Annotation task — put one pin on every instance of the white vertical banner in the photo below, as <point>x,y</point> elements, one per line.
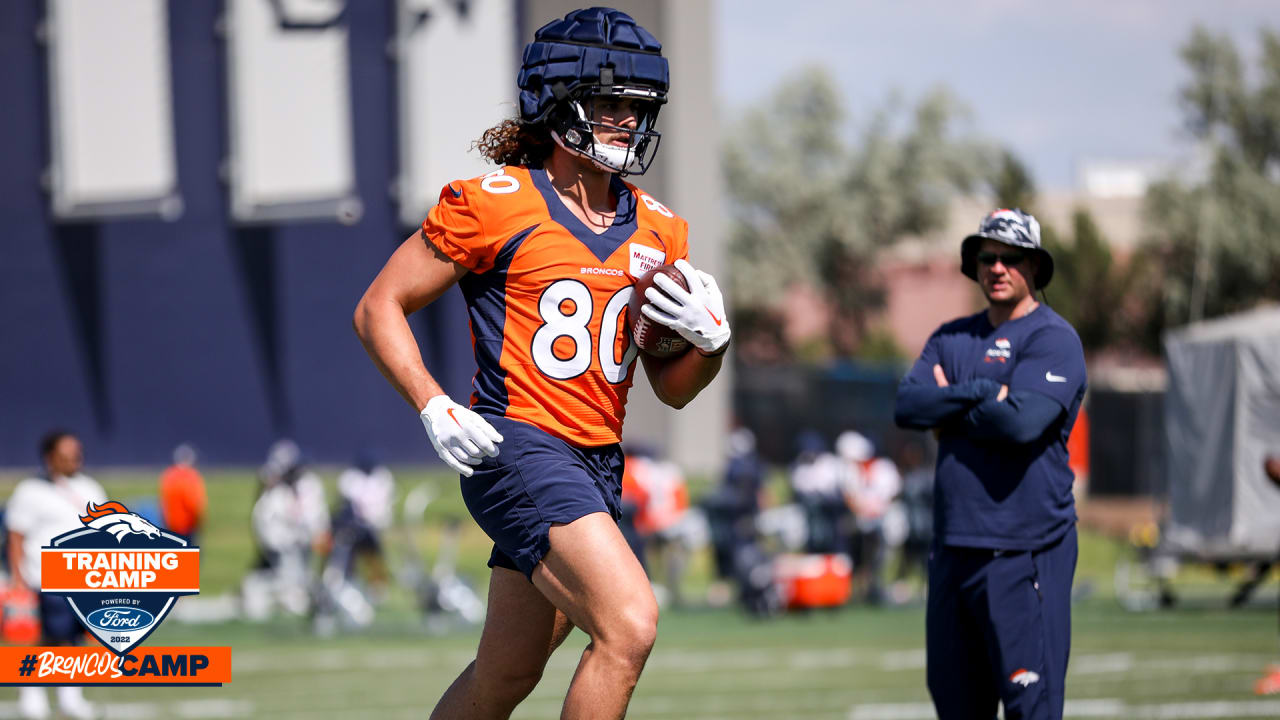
<point>110,109</point>
<point>699,433</point>
<point>457,78</point>
<point>290,127</point>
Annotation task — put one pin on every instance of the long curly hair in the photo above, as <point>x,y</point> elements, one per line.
<point>512,142</point>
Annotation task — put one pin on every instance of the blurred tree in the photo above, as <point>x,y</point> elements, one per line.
<point>811,209</point>
<point>1012,183</point>
<point>1213,246</point>
<point>1088,287</point>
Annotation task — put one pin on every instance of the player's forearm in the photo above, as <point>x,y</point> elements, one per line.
<point>15,558</point>
<point>384,331</point>
<point>679,380</point>
<point>924,407</point>
<point>1020,418</point>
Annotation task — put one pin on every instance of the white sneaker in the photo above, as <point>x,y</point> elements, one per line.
<point>71,703</point>
<point>33,703</point>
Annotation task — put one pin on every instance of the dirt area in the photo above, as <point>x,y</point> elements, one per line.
<point>1116,516</point>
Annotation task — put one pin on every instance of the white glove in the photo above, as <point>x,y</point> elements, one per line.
<point>697,313</point>
<point>461,438</point>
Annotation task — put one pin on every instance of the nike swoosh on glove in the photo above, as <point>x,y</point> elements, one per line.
<point>697,313</point>
<point>461,437</point>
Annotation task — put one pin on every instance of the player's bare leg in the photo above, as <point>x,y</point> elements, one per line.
<point>592,576</point>
<point>521,629</point>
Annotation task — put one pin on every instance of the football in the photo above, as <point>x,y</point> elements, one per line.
<point>654,338</point>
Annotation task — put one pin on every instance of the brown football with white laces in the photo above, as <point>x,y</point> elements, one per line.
<point>654,338</point>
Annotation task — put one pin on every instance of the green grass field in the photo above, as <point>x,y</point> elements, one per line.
<point>856,663</point>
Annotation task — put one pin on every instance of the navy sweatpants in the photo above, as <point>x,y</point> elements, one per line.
<point>999,629</point>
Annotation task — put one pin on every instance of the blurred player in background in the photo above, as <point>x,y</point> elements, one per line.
<point>732,509</point>
<point>290,522</point>
<point>1003,387</point>
<point>917,503</point>
<point>1269,683</point>
<point>817,479</point>
<point>546,250</point>
<point>40,509</point>
<point>870,487</point>
<point>366,493</point>
<point>183,500</point>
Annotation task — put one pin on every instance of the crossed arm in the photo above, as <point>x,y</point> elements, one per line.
<point>981,409</point>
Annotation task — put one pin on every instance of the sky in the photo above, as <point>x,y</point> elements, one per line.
<point>1057,82</point>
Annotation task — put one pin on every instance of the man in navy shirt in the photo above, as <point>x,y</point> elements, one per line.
<point>1002,389</point>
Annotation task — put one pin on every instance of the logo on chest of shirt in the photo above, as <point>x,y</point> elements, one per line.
<point>644,259</point>
<point>1001,352</point>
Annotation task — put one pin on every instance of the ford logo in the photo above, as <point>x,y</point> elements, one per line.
<point>120,618</point>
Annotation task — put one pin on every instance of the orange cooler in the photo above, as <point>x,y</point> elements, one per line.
<point>814,581</point>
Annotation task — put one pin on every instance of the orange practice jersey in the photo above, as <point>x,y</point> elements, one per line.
<point>182,499</point>
<point>548,298</point>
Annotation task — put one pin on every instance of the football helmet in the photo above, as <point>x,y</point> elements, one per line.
<point>595,54</point>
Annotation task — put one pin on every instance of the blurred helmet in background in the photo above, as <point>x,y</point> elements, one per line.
<point>854,446</point>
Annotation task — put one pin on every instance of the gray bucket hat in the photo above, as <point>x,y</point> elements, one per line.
<point>1011,227</point>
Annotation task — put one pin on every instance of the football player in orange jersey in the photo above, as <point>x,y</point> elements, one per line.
<point>546,250</point>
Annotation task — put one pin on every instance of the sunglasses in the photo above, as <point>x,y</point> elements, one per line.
<point>1007,259</point>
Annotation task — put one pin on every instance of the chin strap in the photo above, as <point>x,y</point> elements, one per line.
<point>595,160</point>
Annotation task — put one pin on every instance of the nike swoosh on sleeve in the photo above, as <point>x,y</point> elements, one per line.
<point>457,192</point>
<point>1048,375</point>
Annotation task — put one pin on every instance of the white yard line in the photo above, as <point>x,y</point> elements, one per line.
<point>893,711</point>
<point>722,708</point>
<point>1105,664</point>
<point>900,660</point>
<point>213,708</point>
<point>1207,710</point>
<point>1097,708</point>
<point>130,711</point>
<point>207,709</point>
<point>729,660</point>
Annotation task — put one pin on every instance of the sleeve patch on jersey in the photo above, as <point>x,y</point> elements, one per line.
<point>644,259</point>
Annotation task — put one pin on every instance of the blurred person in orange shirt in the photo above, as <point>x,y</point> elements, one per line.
<point>660,495</point>
<point>183,500</point>
<point>1078,453</point>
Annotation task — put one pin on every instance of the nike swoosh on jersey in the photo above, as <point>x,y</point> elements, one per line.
<point>457,192</point>
<point>1048,375</point>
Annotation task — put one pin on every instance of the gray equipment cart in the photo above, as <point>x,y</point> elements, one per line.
<point>1222,419</point>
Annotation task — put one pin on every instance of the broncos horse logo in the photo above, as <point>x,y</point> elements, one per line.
<point>115,518</point>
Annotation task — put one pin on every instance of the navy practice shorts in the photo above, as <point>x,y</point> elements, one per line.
<point>536,481</point>
<point>58,622</point>
<point>999,629</point>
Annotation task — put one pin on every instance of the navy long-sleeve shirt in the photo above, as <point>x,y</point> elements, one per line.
<point>1002,478</point>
